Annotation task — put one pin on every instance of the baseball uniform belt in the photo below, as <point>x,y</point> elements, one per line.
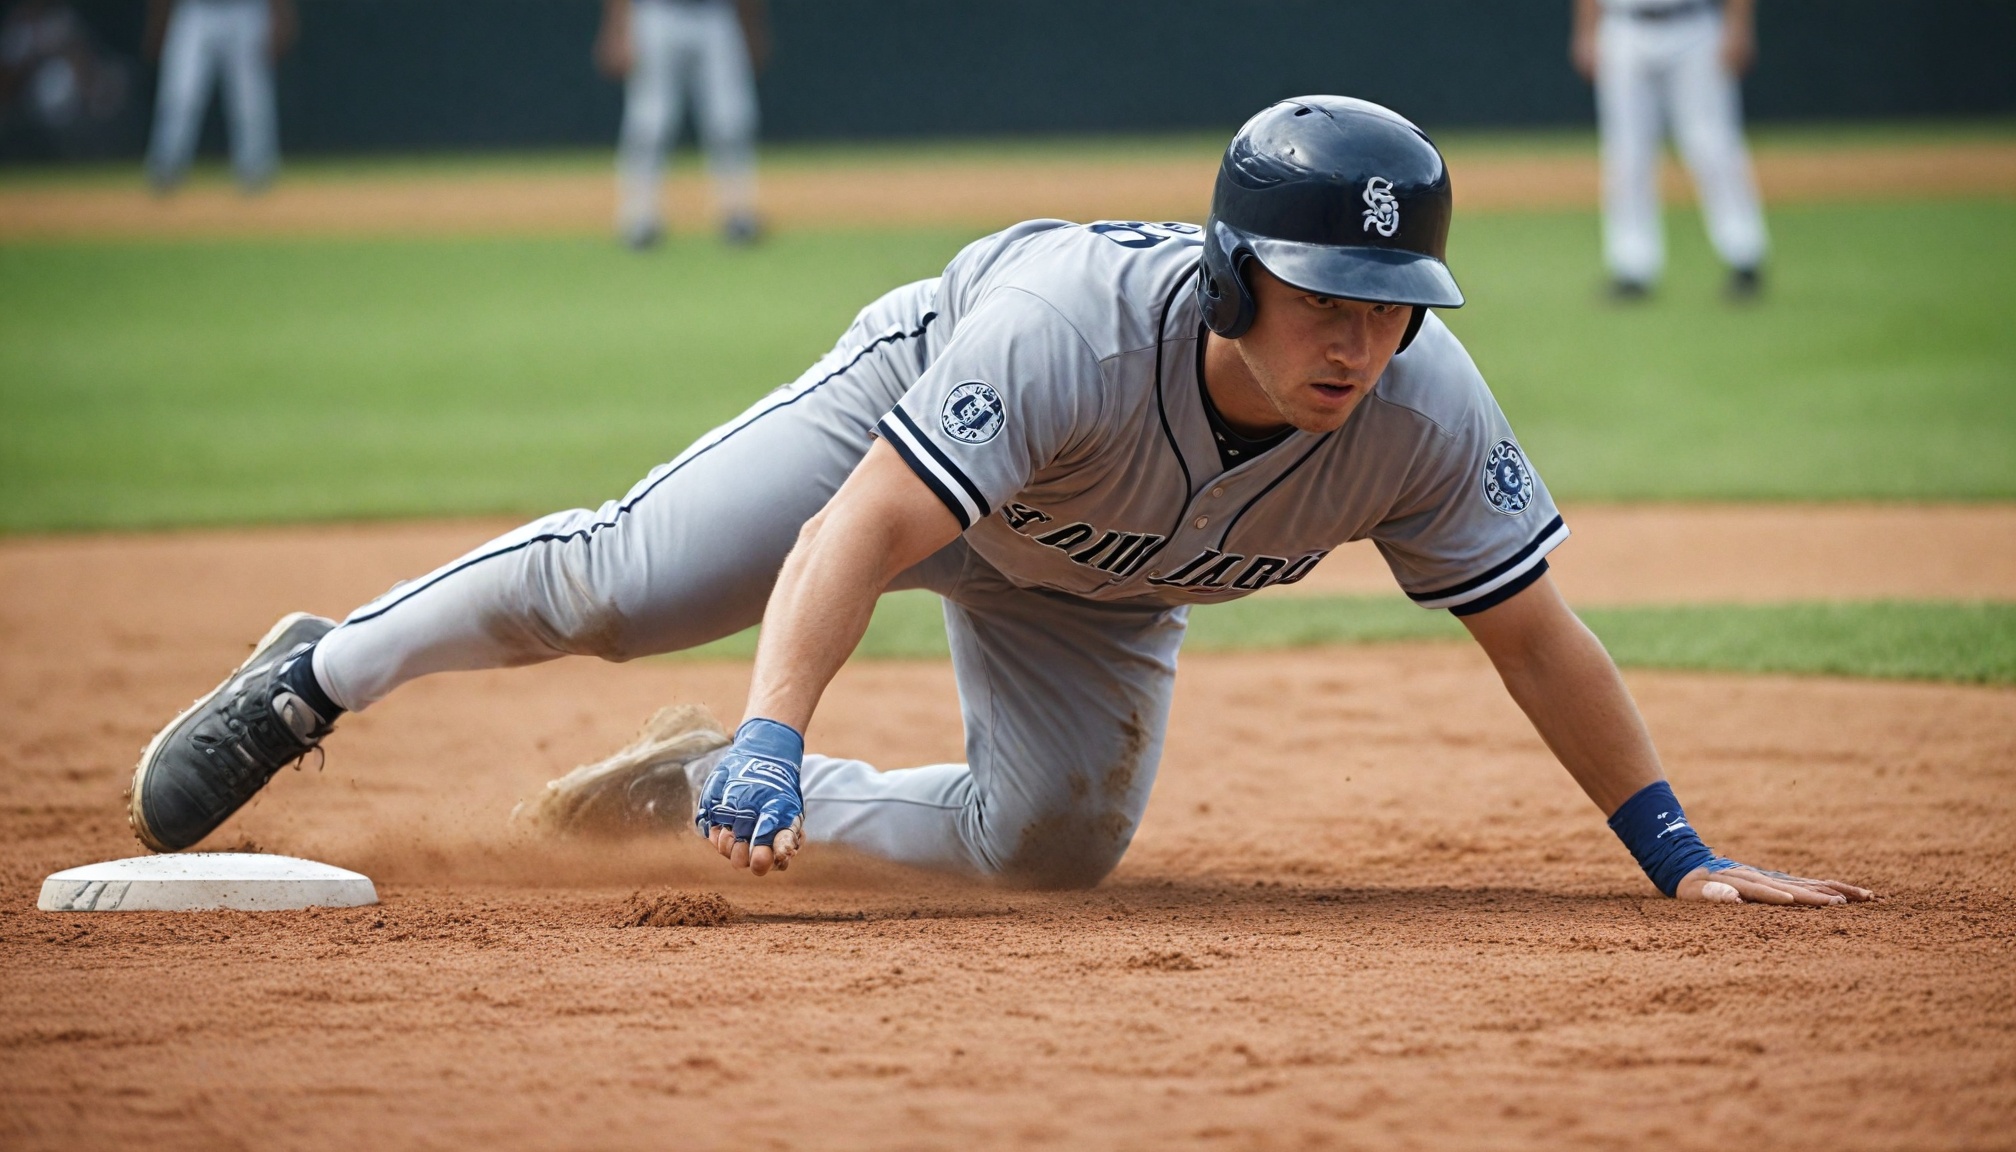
<point>1672,11</point>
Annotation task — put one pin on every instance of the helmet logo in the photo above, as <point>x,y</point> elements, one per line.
<point>1382,211</point>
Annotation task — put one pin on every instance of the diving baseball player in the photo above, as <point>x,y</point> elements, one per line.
<point>667,50</point>
<point>204,39</point>
<point>1660,64</point>
<point>1072,435</point>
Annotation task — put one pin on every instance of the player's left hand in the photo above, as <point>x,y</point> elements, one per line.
<point>613,54</point>
<point>1743,884</point>
<point>1739,48</point>
<point>751,809</point>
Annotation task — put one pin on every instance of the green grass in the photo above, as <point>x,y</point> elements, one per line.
<point>163,384</point>
<point>1881,365</point>
<point>168,384</point>
<point>1967,643</point>
<point>1964,643</point>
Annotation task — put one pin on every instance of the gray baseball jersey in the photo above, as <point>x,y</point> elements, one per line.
<point>1046,389</point>
<point>1060,419</point>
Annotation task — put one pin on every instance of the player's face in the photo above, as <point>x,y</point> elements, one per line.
<point>1316,357</point>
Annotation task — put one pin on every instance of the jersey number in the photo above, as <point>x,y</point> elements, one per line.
<point>1135,234</point>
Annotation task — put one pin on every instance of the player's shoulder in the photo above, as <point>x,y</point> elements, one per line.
<point>1111,280</point>
<point>1435,380</point>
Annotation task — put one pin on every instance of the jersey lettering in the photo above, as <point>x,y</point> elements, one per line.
<point>1209,569</point>
<point>1214,576</point>
<point>1067,537</point>
<point>1300,567</point>
<point>1114,550</point>
<point>1020,516</point>
<point>1256,573</point>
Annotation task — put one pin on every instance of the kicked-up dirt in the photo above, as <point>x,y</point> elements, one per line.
<point>1366,909</point>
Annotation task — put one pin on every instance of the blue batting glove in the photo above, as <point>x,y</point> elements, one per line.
<point>754,789</point>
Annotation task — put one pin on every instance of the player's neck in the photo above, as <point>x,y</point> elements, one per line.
<point>1240,400</point>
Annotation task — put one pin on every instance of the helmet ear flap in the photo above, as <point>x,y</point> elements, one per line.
<point>1222,293</point>
<point>1413,328</point>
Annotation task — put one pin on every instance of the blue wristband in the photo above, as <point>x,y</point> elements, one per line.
<point>1656,831</point>
<point>754,789</point>
<point>769,738</point>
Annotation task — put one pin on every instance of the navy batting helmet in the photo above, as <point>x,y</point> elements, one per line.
<point>1332,195</point>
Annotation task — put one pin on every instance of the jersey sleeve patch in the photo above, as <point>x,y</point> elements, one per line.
<point>973,413</point>
<point>936,469</point>
<point>1524,567</point>
<point>1508,481</point>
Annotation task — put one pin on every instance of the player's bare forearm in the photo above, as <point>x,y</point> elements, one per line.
<point>285,28</point>
<point>612,40</point>
<point>755,18</point>
<point>1582,41</point>
<point>882,521</point>
<point>1739,35</point>
<point>157,28</point>
<point>1566,683</point>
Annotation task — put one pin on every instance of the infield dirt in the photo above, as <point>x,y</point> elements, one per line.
<point>881,191</point>
<point>1366,909</point>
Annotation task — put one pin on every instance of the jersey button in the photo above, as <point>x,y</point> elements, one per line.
<point>1217,492</point>
<point>1201,522</point>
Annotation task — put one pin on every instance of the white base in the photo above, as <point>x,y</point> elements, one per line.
<point>203,881</point>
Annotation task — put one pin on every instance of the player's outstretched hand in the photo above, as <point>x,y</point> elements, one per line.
<point>1743,884</point>
<point>751,809</point>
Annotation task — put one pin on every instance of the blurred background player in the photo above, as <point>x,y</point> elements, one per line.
<point>1671,63</point>
<point>668,51</point>
<point>57,81</point>
<point>199,40</point>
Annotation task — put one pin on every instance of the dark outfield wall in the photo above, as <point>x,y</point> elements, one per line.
<point>395,74</point>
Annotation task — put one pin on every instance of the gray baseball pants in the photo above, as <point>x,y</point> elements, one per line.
<point>1065,700</point>
<point>684,49</point>
<point>207,39</point>
<point>1649,76</point>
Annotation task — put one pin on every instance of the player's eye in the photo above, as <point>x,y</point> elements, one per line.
<point>1323,301</point>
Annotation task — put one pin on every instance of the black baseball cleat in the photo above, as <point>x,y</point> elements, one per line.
<point>642,237</point>
<point>1745,284</point>
<point>1627,291</point>
<point>213,757</point>
<point>742,230</point>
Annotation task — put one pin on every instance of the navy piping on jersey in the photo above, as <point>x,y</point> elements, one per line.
<point>910,443</point>
<point>1503,592</point>
<point>1502,575</point>
<point>1225,536</point>
<point>1162,411</point>
<point>627,505</point>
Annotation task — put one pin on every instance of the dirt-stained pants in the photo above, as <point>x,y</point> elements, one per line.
<point>1065,700</point>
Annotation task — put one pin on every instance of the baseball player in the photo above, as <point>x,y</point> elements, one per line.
<point>667,50</point>
<point>1672,63</point>
<point>1072,435</point>
<point>198,40</point>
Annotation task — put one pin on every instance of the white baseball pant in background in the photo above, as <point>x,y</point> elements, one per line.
<point>207,38</point>
<point>1651,74</point>
<point>682,48</point>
